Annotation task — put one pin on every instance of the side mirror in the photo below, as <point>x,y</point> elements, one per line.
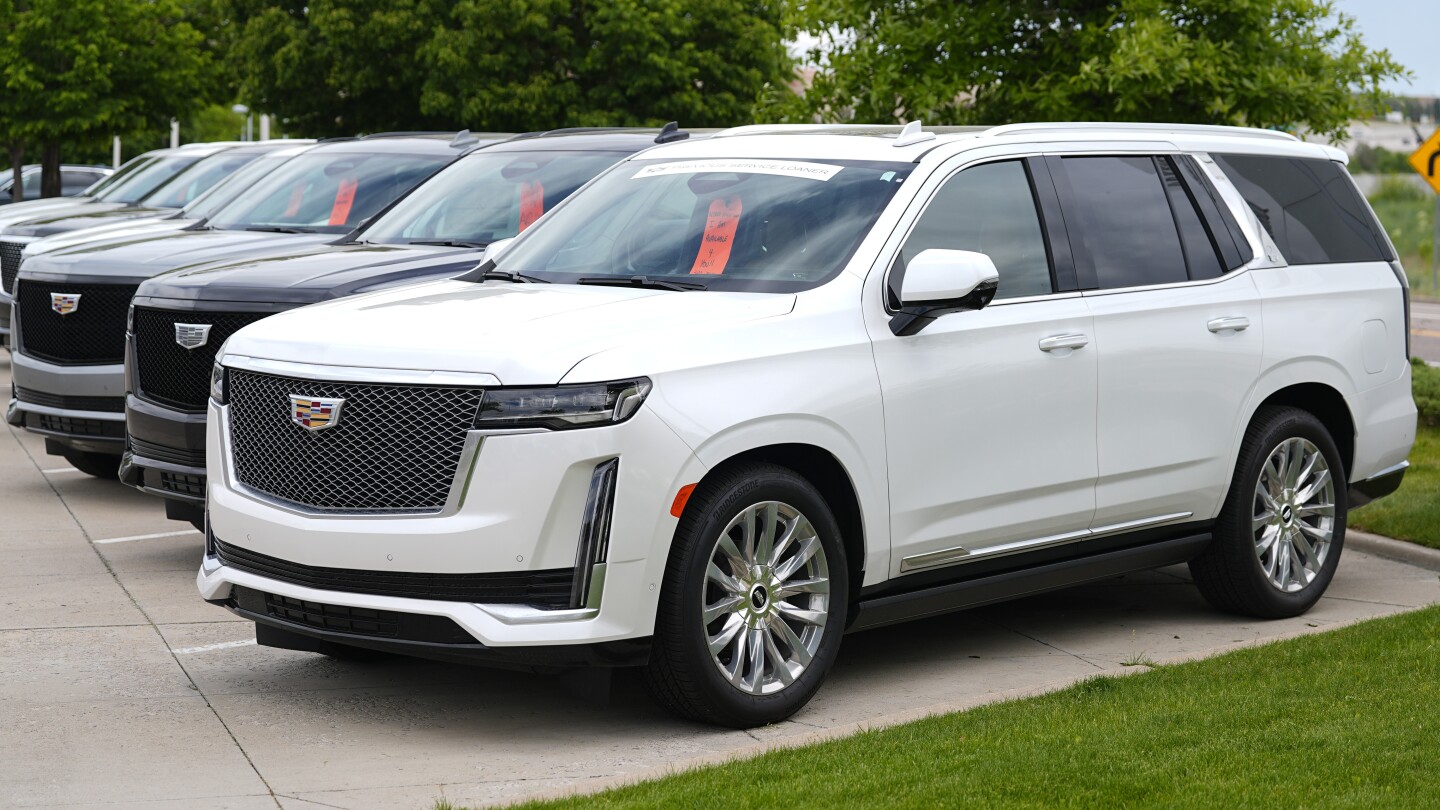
<point>494,249</point>
<point>938,282</point>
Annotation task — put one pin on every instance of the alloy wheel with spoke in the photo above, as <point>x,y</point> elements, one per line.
<point>1294,514</point>
<point>766,598</point>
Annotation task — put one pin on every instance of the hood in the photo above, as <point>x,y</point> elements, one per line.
<point>32,209</point>
<point>313,273</point>
<point>144,256</point>
<point>523,334</point>
<point>124,229</point>
<point>65,220</point>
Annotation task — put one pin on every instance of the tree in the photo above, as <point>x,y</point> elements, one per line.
<point>79,70</point>
<point>1265,63</point>
<point>343,66</point>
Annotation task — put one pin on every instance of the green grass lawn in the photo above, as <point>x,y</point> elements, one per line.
<point>1343,719</point>
<point>1413,512</point>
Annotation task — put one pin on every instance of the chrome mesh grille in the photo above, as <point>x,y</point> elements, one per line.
<point>394,449</point>
<point>9,263</point>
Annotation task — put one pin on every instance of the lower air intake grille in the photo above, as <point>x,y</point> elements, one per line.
<point>183,484</point>
<point>92,334</point>
<point>391,449</point>
<point>171,374</point>
<point>80,427</point>
<point>9,263</point>
<point>337,618</point>
<point>69,403</point>
<point>549,588</point>
<point>171,455</point>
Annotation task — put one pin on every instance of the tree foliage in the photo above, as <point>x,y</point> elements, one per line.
<point>342,66</point>
<point>81,70</point>
<point>1267,63</point>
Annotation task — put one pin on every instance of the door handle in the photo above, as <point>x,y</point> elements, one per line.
<point>1239,323</point>
<point>1073,341</point>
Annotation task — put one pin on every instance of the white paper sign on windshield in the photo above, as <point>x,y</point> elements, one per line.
<point>786,168</point>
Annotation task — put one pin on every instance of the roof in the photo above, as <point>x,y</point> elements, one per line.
<point>427,143</point>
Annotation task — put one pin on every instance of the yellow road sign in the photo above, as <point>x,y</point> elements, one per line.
<point>1426,160</point>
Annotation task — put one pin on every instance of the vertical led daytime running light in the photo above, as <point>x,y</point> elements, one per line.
<point>594,543</point>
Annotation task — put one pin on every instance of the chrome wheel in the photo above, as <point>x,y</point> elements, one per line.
<point>1294,514</point>
<point>766,598</point>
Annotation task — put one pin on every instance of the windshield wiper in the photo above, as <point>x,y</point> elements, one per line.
<point>279,229</point>
<point>459,243</point>
<point>642,281</point>
<point>510,275</point>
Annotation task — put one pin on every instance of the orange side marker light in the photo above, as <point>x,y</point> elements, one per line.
<point>681,498</point>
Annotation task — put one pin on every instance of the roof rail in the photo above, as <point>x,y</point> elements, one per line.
<point>1101,126</point>
<point>787,129</point>
<point>401,134</point>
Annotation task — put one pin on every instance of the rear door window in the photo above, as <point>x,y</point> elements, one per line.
<point>1134,222</point>
<point>1309,206</point>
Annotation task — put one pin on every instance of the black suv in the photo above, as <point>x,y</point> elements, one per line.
<point>71,304</point>
<point>180,319</point>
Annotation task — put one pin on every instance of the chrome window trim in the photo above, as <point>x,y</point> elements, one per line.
<point>960,554</point>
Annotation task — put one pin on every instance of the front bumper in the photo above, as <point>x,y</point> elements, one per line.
<point>165,455</point>
<point>46,391</point>
<point>520,510</point>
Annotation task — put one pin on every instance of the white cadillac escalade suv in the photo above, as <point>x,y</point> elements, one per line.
<point>737,397</point>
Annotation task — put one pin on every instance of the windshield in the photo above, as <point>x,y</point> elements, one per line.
<point>134,186</point>
<point>488,196</point>
<point>326,192</point>
<point>220,194</point>
<point>99,188</point>
<point>198,179</point>
<point>756,225</point>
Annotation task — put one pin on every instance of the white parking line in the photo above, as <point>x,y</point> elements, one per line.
<point>148,536</point>
<point>208,647</point>
<point>54,470</point>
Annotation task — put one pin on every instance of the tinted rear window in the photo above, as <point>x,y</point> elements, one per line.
<point>1309,206</point>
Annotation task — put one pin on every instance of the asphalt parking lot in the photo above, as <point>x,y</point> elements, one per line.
<point>120,688</point>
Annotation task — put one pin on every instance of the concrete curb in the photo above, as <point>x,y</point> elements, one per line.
<point>1393,549</point>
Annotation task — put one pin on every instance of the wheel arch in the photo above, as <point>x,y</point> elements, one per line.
<point>1327,405</point>
<point>826,472</point>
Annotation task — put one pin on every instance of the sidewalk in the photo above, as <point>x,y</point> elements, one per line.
<point>120,688</point>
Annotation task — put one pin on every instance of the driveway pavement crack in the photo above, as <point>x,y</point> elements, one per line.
<point>1042,642</point>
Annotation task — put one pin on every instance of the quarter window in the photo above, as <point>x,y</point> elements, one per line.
<point>1309,206</point>
<point>987,209</point>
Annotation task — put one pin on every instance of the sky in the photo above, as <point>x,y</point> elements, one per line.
<point>1410,31</point>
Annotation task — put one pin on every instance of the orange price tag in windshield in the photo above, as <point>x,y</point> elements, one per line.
<point>297,196</point>
<point>344,198</point>
<point>720,224</point>
<point>532,203</point>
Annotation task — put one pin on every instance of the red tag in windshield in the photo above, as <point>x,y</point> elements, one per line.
<point>344,198</point>
<point>297,196</point>
<point>532,203</point>
<point>720,225</point>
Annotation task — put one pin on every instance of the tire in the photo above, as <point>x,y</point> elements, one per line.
<point>1255,566</point>
<point>100,465</point>
<point>683,674</point>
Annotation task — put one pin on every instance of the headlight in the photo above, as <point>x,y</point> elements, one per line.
<point>217,384</point>
<point>561,407</point>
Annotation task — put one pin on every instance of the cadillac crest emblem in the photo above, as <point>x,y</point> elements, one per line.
<point>314,413</point>
<point>192,335</point>
<point>64,303</point>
